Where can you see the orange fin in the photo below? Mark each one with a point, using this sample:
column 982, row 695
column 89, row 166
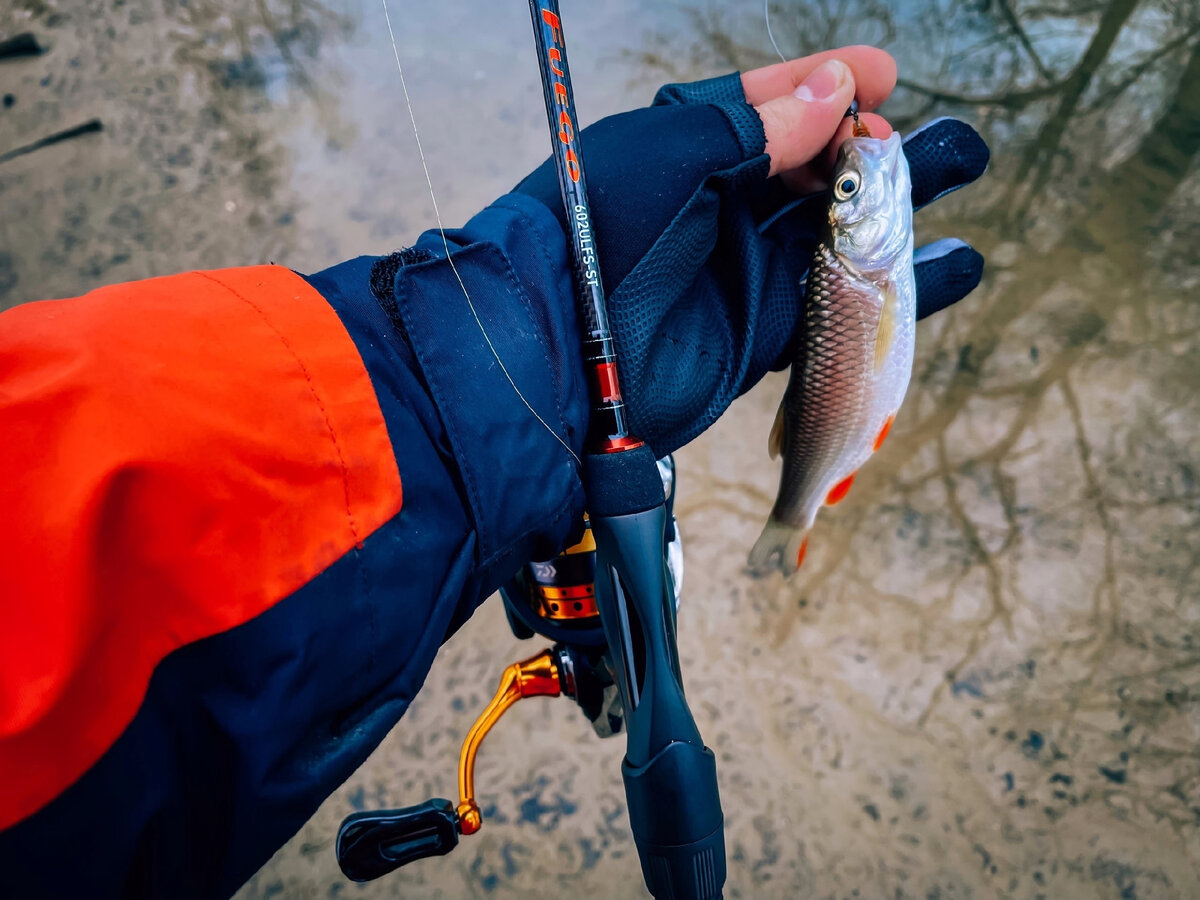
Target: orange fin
column 840, row 490
column 883, row 432
column 800, row 555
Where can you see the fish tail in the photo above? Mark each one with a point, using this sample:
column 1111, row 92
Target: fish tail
column 780, row 546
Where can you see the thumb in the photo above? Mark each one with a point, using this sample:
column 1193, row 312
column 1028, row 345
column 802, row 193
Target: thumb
column 799, row 125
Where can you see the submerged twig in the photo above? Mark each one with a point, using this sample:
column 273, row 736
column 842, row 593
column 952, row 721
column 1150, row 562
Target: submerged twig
column 86, row 128
column 22, row 45
column 1016, row 99
column 1014, row 23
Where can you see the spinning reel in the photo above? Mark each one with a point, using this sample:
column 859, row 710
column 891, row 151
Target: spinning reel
column 557, row 600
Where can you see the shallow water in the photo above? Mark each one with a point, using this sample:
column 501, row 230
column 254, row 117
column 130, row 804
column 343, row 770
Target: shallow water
column 986, row 683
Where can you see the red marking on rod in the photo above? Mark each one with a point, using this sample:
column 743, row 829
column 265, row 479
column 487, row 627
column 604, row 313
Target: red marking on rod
column 566, row 129
column 803, row 551
column 617, row 444
column 555, row 25
column 606, row 379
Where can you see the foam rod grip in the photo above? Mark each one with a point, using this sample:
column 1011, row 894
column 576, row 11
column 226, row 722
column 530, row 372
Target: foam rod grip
column 670, row 776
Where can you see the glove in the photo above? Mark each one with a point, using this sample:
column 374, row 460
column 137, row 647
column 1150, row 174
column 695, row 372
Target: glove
column 704, row 256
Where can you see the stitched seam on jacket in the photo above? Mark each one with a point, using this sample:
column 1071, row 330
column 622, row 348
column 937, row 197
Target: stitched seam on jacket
column 440, row 403
column 333, row 438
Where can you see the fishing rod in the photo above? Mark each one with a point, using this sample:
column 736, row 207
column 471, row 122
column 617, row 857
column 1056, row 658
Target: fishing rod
column 670, row 776
column 609, row 602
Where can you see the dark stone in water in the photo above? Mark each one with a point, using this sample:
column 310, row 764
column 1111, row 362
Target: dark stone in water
column 21, row 45
column 1033, row 744
column 1116, row 776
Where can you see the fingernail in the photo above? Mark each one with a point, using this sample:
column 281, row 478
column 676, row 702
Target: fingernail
column 824, row 81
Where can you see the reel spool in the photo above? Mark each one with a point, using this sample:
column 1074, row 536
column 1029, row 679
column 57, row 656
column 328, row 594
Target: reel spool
column 557, row 599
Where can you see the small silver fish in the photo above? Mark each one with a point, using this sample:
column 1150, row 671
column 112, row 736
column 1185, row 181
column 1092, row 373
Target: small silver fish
column 850, row 374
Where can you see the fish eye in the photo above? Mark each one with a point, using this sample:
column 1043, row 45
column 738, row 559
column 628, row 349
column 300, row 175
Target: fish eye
column 847, row 186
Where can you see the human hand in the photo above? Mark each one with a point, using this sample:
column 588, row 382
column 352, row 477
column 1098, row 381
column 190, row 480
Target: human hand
column 704, row 238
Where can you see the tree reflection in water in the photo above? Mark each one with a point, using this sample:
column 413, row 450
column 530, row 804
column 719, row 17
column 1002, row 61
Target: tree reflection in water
column 1024, row 559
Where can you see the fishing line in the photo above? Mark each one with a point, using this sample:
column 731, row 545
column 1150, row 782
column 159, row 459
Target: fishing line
column 446, row 244
column 767, row 19
column 860, row 130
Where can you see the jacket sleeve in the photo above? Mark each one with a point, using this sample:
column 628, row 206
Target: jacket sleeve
column 241, row 510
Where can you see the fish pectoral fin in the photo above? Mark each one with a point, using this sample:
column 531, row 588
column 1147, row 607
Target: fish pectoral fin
column 886, row 334
column 775, row 439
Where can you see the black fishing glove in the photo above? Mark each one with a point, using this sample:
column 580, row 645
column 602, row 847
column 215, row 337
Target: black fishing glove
column 703, row 256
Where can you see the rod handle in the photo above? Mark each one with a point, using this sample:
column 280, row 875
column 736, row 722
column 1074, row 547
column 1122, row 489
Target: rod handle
column 675, row 813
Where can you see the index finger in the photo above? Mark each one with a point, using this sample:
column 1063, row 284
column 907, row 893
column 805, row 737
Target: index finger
column 874, row 75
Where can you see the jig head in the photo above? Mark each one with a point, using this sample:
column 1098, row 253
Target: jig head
column 860, row 130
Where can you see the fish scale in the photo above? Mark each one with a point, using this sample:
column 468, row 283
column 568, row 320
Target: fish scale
column 855, row 359
column 832, row 377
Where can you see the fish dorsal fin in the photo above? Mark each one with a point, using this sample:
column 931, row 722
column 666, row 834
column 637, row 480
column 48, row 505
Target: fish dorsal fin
column 886, row 334
column 775, row 439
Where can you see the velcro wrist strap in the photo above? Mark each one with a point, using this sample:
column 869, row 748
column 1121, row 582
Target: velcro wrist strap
column 520, row 482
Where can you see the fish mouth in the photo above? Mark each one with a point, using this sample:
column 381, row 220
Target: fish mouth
column 893, row 151
column 883, row 153
column 886, row 157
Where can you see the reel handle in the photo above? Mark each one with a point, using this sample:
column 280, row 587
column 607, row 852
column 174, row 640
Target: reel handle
column 373, row 843
column 370, row 844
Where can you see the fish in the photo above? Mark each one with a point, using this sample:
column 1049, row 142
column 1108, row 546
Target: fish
column 852, row 367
